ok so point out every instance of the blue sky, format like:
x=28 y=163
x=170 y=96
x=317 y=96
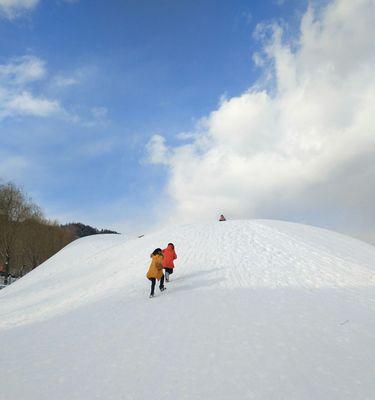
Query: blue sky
x=134 y=114
x=121 y=71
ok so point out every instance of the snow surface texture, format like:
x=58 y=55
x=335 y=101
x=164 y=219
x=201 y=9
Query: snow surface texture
x=254 y=310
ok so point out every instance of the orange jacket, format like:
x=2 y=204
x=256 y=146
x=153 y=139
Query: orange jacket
x=156 y=267
x=169 y=256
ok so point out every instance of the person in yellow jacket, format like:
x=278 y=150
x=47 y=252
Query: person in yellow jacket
x=155 y=271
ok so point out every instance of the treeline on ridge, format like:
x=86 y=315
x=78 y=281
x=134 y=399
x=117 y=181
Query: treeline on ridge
x=27 y=238
x=80 y=230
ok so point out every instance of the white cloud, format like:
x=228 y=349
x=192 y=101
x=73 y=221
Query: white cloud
x=248 y=16
x=98 y=147
x=95 y=117
x=99 y=113
x=64 y=81
x=302 y=147
x=14 y=8
x=157 y=150
x=22 y=70
x=26 y=104
x=16 y=98
x=74 y=77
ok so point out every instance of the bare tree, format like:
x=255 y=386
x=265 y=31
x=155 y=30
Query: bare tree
x=39 y=240
x=15 y=208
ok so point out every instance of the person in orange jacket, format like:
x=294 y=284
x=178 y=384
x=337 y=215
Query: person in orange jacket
x=169 y=256
x=155 y=271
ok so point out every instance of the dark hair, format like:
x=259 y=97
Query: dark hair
x=156 y=252
x=171 y=244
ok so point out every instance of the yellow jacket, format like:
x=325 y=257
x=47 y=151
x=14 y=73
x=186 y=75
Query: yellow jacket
x=156 y=267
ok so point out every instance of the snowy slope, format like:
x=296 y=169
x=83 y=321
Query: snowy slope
x=255 y=310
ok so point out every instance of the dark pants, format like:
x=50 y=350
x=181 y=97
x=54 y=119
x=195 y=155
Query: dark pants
x=153 y=283
x=169 y=270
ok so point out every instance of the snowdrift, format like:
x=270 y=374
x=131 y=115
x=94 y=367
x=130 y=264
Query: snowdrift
x=255 y=310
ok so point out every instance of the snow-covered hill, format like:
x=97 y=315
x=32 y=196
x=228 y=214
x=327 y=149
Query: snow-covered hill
x=254 y=310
